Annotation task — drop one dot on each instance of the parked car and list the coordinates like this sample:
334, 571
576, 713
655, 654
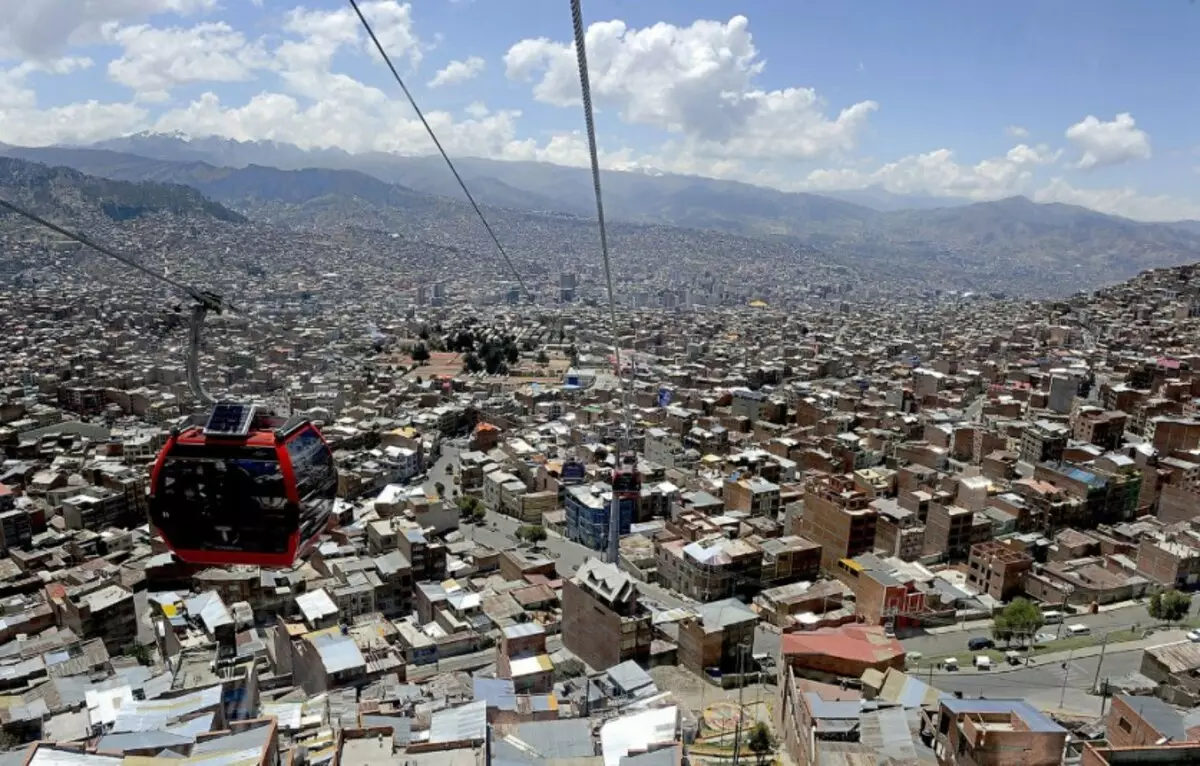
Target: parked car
1194, 636
980, 642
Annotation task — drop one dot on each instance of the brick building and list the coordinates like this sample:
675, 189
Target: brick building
838, 517
603, 623
997, 570
713, 637
996, 732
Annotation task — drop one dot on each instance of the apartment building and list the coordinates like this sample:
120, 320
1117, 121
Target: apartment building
997, 569
603, 622
838, 517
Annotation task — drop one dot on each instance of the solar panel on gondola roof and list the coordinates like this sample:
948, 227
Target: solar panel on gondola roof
230, 419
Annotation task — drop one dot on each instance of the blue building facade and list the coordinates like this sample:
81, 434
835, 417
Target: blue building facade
588, 513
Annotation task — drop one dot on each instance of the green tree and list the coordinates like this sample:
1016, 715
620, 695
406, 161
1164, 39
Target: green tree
760, 741
440, 487
512, 354
1001, 631
1169, 605
480, 513
140, 652
1022, 618
532, 533
471, 362
8, 741
542, 358
420, 353
424, 333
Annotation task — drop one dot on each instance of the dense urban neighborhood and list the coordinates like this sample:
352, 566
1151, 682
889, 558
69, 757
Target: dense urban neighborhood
800, 520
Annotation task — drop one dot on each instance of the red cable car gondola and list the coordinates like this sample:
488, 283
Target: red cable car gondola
245, 488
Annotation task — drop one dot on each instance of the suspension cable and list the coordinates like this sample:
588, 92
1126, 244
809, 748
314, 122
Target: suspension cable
586, 90
204, 297
429, 129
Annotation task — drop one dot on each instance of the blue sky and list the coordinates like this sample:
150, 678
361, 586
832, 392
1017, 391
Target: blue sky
971, 100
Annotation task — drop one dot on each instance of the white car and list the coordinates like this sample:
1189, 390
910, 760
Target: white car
1194, 636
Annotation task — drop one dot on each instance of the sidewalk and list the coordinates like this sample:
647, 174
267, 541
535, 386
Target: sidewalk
1052, 658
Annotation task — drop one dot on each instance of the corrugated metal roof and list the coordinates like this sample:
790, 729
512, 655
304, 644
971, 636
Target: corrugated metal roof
638, 732
316, 605
887, 732
338, 653
523, 629
401, 727
629, 677
1165, 719
460, 724
527, 665
194, 726
242, 740
495, 692
157, 714
123, 743
564, 738
48, 755
664, 756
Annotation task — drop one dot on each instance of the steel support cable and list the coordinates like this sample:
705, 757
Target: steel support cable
585, 88
449, 163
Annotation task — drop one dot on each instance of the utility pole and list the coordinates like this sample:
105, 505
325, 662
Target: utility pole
1100, 662
737, 726
1062, 697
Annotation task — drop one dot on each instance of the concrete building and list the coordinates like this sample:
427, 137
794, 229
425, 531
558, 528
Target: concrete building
755, 495
107, 612
1043, 441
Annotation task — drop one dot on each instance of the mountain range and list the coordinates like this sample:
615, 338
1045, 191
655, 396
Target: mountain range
1013, 244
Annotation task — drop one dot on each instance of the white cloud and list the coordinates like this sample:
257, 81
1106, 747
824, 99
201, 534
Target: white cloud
937, 173
154, 60
1109, 143
42, 29
306, 64
697, 82
1121, 201
458, 71
25, 124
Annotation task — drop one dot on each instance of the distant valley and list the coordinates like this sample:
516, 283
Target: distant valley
1012, 245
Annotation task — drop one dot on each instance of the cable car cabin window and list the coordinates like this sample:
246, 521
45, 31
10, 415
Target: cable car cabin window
232, 504
316, 480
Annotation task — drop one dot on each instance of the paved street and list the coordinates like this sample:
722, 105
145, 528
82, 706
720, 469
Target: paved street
437, 472
954, 641
1041, 683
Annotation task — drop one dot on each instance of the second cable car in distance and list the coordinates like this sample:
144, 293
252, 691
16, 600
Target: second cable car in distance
246, 487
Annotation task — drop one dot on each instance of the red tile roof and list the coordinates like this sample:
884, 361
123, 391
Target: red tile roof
858, 643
